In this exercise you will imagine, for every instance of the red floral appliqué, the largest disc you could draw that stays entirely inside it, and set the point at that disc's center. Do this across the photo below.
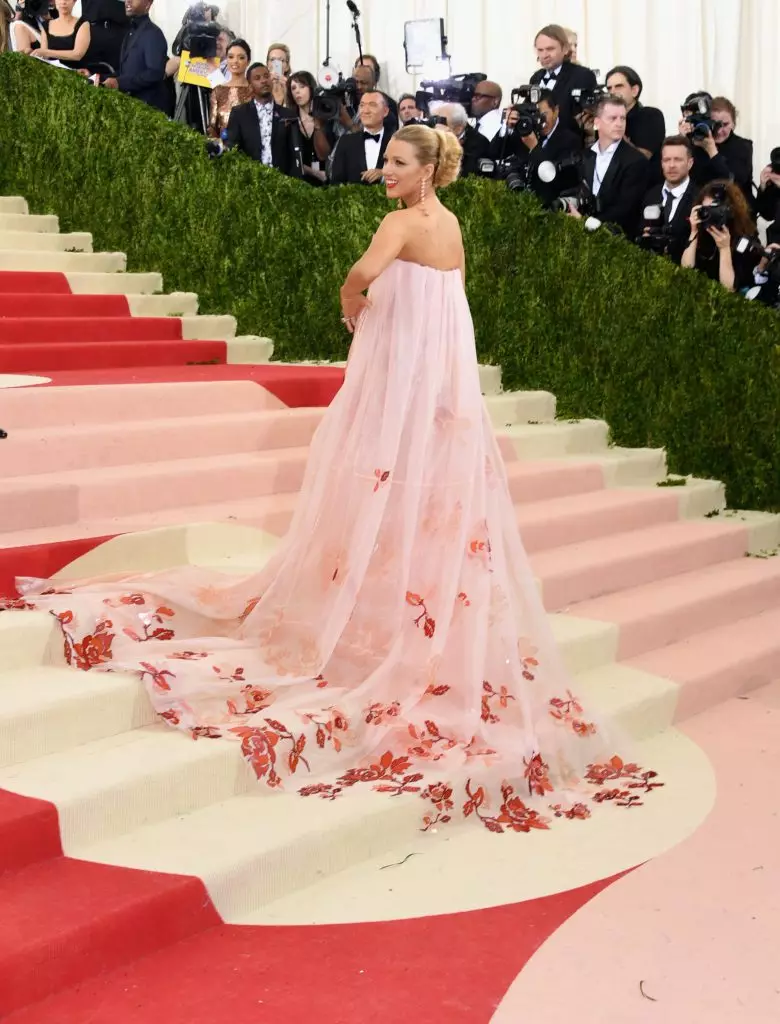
(514, 814)
(538, 775)
(488, 694)
(151, 631)
(428, 624)
(567, 711)
(376, 713)
(158, 676)
(382, 476)
(94, 648)
(616, 770)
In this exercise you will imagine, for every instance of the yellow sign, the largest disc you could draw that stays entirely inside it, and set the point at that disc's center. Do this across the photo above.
(196, 70)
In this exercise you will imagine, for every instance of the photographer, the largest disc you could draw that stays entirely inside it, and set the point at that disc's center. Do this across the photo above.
(614, 173)
(278, 63)
(370, 61)
(645, 126)
(767, 277)
(486, 108)
(558, 73)
(408, 112)
(475, 146)
(668, 207)
(317, 137)
(720, 221)
(718, 153)
(258, 127)
(768, 202)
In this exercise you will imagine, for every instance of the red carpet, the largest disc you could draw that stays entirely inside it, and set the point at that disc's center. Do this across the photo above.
(55, 305)
(81, 934)
(67, 330)
(43, 357)
(28, 282)
(41, 561)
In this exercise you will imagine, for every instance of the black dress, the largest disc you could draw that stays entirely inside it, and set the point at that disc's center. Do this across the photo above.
(68, 43)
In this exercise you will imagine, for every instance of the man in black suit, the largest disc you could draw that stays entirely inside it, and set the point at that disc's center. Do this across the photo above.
(553, 51)
(645, 126)
(667, 207)
(474, 145)
(369, 60)
(258, 127)
(768, 203)
(365, 77)
(108, 25)
(359, 156)
(143, 59)
(614, 172)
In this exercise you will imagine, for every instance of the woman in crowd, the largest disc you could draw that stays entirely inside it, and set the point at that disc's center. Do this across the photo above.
(716, 251)
(278, 62)
(25, 34)
(66, 38)
(317, 137)
(234, 92)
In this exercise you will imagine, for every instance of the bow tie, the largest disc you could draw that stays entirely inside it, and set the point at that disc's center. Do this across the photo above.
(374, 138)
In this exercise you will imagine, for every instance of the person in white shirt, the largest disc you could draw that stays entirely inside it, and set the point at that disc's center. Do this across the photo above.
(486, 108)
(359, 156)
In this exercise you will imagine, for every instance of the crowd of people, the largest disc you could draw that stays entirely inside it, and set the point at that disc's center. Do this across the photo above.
(595, 152)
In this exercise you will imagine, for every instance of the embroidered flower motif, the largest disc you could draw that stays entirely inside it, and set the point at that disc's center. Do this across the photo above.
(513, 815)
(428, 624)
(94, 648)
(382, 476)
(566, 711)
(616, 770)
(488, 694)
(538, 775)
(376, 713)
(577, 812)
(255, 700)
(151, 631)
(159, 677)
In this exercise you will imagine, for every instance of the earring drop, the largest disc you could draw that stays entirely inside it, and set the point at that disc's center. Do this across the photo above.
(423, 190)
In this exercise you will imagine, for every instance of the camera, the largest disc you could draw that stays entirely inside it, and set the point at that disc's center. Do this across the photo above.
(327, 103)
(716, 214)
(457, 89)
(657, 236)
(515, 171)
(697, 111)
(199, 36)
(524, 103)
(581, 200)
(585, 101)
(774, 160)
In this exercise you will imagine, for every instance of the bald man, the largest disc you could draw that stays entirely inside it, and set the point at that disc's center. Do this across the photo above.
(486, 108)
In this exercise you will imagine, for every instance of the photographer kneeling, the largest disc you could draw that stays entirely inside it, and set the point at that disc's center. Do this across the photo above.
(720, 221)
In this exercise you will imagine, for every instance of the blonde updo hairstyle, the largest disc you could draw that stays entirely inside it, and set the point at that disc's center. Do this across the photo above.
(434, 146)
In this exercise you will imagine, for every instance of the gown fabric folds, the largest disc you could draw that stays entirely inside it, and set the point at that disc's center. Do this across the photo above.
(396, 638)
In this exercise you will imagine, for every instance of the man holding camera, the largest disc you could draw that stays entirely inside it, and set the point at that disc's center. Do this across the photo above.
(257, 128)
(613, 172)
(668, 207)
(769, 196)
(718, 152)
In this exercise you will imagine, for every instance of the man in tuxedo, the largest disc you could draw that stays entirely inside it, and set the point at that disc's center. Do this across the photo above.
(359, 156)
(475, 146)
(557, 73)
(614, 172)
(258, 127)
(370, 61)
(143, 59)
(486, 108)
(673, 201)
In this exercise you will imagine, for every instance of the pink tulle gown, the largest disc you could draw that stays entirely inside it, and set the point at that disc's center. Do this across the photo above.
(396, 639)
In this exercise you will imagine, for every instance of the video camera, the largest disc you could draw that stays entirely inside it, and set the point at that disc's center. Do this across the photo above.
(199, 36)
(516, 172)
(525, 101)
(327, 103)
(697, 111)
(457, 89)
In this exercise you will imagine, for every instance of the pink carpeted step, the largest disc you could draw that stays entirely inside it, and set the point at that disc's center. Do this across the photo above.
(129, 490)
(670, 610)
(30, 282)
(65, 920)
(545, 480)
(22, 304)
(577, 572)
(720, 664)
(84, 405)
(583, 517)
(141, 441)
(34, 330)
(41, 358)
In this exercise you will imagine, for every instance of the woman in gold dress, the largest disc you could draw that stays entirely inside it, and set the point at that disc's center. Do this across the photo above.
(235, 91)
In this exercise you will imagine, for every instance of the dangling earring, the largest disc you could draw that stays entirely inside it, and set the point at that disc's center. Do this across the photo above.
(423, 189)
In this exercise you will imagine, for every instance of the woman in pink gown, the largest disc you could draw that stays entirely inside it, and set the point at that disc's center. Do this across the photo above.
(396, 638)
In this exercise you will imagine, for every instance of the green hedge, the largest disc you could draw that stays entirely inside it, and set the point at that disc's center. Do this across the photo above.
(666, 357)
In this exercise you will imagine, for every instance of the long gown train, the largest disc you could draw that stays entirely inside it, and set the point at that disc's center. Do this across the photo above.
(396, 639)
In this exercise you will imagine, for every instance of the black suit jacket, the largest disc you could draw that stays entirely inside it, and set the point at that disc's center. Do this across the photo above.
(349, 158)
(768, 205)
(244, 134)
(475, 148)
(679, 227)
(620, 197)
(142, 64)
(562, 143)
(571, 76)
(738, 154)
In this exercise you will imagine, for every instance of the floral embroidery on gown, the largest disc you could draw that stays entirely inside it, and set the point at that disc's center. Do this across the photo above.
(396, 638)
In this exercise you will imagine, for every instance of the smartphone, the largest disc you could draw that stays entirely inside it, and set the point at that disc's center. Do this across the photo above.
(277, 69)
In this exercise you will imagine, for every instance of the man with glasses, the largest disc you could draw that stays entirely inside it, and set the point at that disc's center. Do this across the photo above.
(486, 108)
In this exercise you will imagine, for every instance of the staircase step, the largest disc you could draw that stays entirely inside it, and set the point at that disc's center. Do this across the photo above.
(52, 499)
(33, 283)
(64, 921)
(29, 833)
(49, 709)
(55, 306)
(117, 784)
(578, 572)
(520, 407)
(29, 222)
(550, 440)
(44, 242)
(670, 610)
(13, 204)
(146, 441)
(719, 664)
(52, 356)
(107, 404)
(34, 330)
(95, 263)
(83, 282)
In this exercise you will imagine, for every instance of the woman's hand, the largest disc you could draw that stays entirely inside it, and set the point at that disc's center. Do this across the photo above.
(313, 172)
(695, 222)
(768, 177)
(761, 268)
(722, 237)
(352, 307)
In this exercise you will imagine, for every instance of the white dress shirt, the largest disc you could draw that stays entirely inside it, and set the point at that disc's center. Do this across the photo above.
(546, 138)
(372, 148)
(265, 116)
(603, 160)
(677, 193)
(550, 77)
(489, 124)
